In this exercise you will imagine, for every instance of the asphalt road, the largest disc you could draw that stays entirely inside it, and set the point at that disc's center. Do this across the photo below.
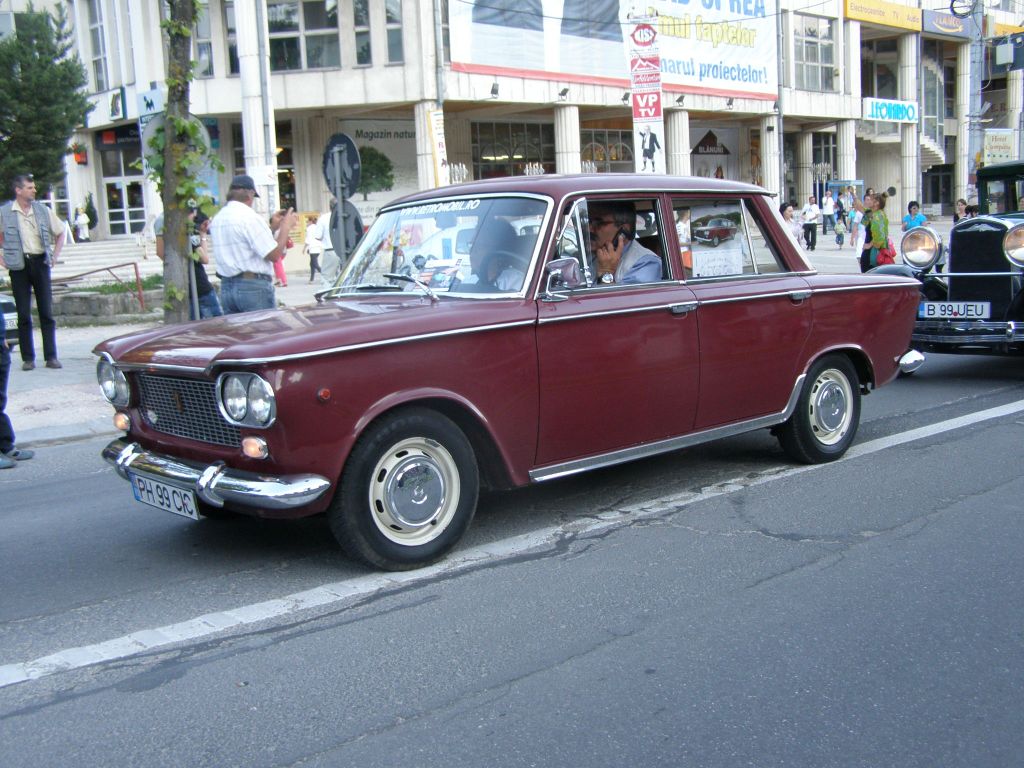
(714, 607)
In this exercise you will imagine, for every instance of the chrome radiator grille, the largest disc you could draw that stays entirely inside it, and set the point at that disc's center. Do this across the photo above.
(185, 408)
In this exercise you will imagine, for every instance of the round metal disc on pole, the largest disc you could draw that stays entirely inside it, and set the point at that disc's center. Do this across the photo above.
(342, 166)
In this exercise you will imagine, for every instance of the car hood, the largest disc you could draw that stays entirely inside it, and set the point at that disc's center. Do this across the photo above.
(308, 330)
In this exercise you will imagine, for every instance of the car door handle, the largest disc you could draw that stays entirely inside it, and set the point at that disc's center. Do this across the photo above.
(683, 309)
(797, 296)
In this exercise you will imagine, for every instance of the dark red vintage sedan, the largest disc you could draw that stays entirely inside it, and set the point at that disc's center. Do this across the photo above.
(601, 336)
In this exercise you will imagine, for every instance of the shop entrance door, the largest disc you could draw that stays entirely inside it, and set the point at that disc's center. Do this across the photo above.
(126, 209)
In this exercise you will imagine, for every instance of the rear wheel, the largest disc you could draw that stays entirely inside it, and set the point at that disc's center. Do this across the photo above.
(827, 415)
(408, 491)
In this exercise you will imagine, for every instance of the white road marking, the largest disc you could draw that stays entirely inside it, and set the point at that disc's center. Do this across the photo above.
(328, 594)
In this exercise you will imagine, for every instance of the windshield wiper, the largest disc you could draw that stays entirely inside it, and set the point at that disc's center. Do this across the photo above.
(408, 279)
(337, 290)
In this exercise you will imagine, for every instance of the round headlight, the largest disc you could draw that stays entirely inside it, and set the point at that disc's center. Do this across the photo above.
(1013, 245)
(113, 383)
(261, 400)
(920, 248)
(234, 397)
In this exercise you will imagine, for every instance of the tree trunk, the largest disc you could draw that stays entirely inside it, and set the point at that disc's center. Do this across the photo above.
(177, 251)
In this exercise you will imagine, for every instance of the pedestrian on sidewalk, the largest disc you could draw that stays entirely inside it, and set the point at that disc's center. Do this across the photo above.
(276, 222)
(828, 212)
(246, 249)
(32, 237)
(10, 455)
(810, 215)
(314, 247)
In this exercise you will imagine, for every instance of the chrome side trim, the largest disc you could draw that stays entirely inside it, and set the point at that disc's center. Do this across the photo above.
(564, 469)
(216, 484)
(321, 352)
(609, 313)
(868, 287)
(753, 297)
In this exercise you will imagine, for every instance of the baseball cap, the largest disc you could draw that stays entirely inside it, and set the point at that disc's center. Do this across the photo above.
(244, 182)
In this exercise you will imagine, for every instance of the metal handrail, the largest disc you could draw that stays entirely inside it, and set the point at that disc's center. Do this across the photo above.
(110, 269)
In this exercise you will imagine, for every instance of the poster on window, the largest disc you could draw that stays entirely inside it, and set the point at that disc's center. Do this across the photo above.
(715, 153)
(724, 47)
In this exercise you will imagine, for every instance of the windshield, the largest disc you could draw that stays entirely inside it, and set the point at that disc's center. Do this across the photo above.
(469, 245)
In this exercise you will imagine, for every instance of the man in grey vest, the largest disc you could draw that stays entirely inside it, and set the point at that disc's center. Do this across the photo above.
(32, 237)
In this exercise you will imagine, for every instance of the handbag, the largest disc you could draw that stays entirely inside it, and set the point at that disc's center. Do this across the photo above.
(887, 255)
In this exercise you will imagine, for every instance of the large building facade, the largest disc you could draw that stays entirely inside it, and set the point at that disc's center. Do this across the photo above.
(789, 94)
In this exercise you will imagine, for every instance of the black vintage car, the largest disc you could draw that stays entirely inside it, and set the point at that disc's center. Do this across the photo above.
(977, 305)
(10, 319)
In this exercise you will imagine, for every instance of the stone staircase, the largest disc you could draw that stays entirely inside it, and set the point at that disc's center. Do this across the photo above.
(105, 261)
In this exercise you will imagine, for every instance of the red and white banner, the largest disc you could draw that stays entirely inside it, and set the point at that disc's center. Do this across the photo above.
(645, 89)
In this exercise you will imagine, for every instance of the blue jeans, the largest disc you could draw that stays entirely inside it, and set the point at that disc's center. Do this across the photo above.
(240, 294)
(6, 430)
(826, 219)
(209, 306)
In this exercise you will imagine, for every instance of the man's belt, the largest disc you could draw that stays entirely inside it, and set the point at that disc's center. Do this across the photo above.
(247, 276)
(34, 255)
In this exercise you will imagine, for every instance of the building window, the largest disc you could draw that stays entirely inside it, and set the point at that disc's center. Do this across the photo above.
(320, 25)
(203, 44)
(98, 44)
(393, 17)
(285, 159)
(506, 149)
(232, 37)
(445, 33)
(606, 151)
(949, 90)
(814, 53)
(361, 24)
(303, 35)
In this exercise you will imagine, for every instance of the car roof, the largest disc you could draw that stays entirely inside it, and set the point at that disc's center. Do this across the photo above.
(558, 186)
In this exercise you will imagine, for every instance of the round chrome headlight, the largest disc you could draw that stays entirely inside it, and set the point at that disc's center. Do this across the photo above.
(261, 400)
(247, 400)
(233, 395)
(113, 383)
(920, 248)
(1013, 245)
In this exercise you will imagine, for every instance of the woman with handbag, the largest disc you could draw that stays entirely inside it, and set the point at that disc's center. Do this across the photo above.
(876, 232)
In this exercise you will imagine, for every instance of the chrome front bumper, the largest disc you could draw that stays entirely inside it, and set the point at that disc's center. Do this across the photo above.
(216, 484)
(969, 332)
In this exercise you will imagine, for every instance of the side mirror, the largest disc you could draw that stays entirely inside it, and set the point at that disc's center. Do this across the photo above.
(561, 275)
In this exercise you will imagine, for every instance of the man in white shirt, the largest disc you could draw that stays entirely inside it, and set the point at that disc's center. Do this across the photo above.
(810, 215)
(828, 212)
(245, 249)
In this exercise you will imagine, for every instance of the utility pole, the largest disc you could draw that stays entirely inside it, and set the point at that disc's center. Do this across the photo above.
(975, 11)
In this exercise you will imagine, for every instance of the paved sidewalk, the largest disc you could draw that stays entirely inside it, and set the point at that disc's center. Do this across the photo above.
(54, 406)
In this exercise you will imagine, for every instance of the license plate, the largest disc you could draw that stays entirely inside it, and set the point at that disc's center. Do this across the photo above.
(954, 310)
(169, 498)
(10, 323)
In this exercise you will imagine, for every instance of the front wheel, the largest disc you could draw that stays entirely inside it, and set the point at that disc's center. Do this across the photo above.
(827, 414)
(407, 493)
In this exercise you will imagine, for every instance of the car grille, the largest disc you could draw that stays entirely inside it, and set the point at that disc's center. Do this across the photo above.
(978, 247)
(185, 408)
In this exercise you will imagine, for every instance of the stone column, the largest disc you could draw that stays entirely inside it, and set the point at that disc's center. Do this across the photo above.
(677, 142)
(1014, 105)
(846, 149)
(910, 143)
(258, 132)
(962, 163)
(770, 148)
(803, 176)
(567, 139)
(424, 145)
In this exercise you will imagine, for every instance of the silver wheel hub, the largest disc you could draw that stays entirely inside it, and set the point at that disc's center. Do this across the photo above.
(414, 491)
(830, 413)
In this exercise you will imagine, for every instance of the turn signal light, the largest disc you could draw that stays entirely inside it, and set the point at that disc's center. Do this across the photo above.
(255, 447)
(122, 421)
